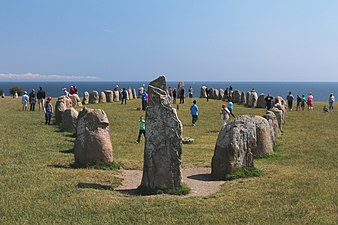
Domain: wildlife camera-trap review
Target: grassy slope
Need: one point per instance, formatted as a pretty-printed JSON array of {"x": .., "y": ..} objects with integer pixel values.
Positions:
[{"x": 299, "y": 184}]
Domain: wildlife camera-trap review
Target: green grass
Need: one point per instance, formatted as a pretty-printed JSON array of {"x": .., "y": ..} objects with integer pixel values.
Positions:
[
  {"x": 244, "y": 173},
  {"x": 37, "y": 185},
  {"x": 100, "y": 166},
  {"x": 182, "y": 190}
]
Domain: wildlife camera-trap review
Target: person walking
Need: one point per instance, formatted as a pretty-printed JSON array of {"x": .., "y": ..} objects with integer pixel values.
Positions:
[
  {"x": 194, "y": 112},
  {"x": 48, "y": 109},
  {"x": 268, "y": 101},
  {"x": 182, "y": 95},
  {"x": 310, "y": 101},
  {"x": 230, "y": 106},
  {"x": 225, "y": 114},
  {"x": 124, "y": 96},
  {"x": 299, "y": 101},
  {"x": 302, "y": 104},
  {"x": 190, "y": 92},
  {"x": 32, "y": 100},
  {"x": 142, "y": 130},
  {"x": 331, "y": 101},
  {"x": 41, "y": 95},
  {"x": 144, "y": 100},
  {"x": 174, "y": 96},
  {"x": 25, "y": 100},
  {"x": 290, "y": 98}
]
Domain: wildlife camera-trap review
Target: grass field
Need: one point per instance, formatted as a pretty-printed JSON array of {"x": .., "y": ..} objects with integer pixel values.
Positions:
[{"x": 37, "y": 186}]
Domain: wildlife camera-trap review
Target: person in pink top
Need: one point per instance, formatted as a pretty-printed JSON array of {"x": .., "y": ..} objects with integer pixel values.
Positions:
[{"x": 310, "y": 101}]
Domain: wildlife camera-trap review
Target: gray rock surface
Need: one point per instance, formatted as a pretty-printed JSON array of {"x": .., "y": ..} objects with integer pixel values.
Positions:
[
  {"x": 76, "y": 101},
  {"x": 253, "y": 97},
  {"x": 273, "y": 123},
  {"x": 130, "y": 94},
  {"x": 279, "y": 115},
  {"x": 116, "y": 96},
  {"x": 221, "y": 94},
  {"x": 69, "y": 120},
  {"x": 234, "y": 147},
  {"x": 264, "y": 140},
  {"x": 103, "y": 98},
  {"x": 85, "y": 100},
  {"x": 261, "y": 101},
  {"x": 163, "y": 141},
  {"x": 236, "y": 96},
  {"x": 94, "y": 97},
  {"x": 216, "y": 94},
  {"x": 60, "y": 107},
  {"x": 247, "y": 98},
  {"x": 93, "y": 143},
  {"x": 134, "y": 94},
  {"x": 203, "y": 92},
  {"x": 243, "y": 98}
]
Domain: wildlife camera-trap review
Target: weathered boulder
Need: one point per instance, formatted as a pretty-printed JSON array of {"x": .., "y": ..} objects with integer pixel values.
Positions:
[
  {"x": 60, "y": 107},
  {"x": 134, "y": 94},
  {"x": 94, "y": 97},
  {"x": 264, "y": 139},
  {"x": 116, "y": 96},
  {"x": 243, "y": 98},
  {"x": 230, "y": 94},
  {"x": 253, "y": 97},
  {"x": 221, "y": 94},
  {"x": 261, "y": 101},
  {"x": 85, "y": 100},
  {"x": 279, "y": 100},
  {"x": 279, "y": 116},
  {"x": 109, "y": 95},
  {"x": 234, "y": 147},
  {"x": 69, "y": 120},
  {"x": 180, "y": 86},
  {"x": 211, "y": 93},
  {"x": 93, "y": 143},
  {"x": 76, "y": 101},
  {"x": 216, "y": 94},
  {"x": 130, "y": 94},
  {"x": 203, "y": 92},
  {"x": 163, "y": 142},
  {"x": 273, "y": 123},
  {"x": 103, "y": 98},
  {"x": 236, "y": 97},
  {"x": 247, "y": 97}
]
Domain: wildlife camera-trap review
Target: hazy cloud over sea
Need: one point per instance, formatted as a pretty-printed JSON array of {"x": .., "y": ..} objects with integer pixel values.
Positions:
[{"x": 46, "y": 77}]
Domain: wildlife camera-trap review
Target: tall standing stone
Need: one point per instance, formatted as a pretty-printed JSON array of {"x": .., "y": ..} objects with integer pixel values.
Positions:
[
  {"x": 134, "y": 94},
  {"x": 76, "y": 101},
  {"x": 247, "y": 97},
  {"x": 69, "y": 120},
  {"x": 103, "y": 98},
  {"x": 163, "y": 142},
  {"x": 236, "y": 97},
  {"x": 273, "y": 122},
  {"x": 261, "y": 101},
  {"x": 253, "y": 97},
  {"x": 264, "y": 141},
  {"x": 130, "y": 93},
  {"x": 85, "y": 100},
  {"x": 109, "y": 95},
  {"x": 221, "y": 94},
  {"x": 216, "y": 93},
  {"x": 60, "y": 107},
  {"x": 243, "y": 99},
  {"x": 94, "y": 97},
  {"x": 93, "y": 143},
  {"x": 203, "y": 92},
  {"x": 116, "y": 96}
]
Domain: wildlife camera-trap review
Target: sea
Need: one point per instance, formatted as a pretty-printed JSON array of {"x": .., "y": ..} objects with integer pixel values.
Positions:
[{"x": 320, "y": 90}]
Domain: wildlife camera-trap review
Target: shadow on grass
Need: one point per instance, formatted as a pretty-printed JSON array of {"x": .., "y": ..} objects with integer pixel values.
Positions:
[
  {"x": 94, "y": 186},
  {"x": 202, "y": 177},
  {"x": 69, "y": 151},
  {"x": 60, "y": 166},
  {"x": 130, "y": 192}
]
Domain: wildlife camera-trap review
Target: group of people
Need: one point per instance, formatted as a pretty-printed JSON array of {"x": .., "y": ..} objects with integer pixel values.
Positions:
[
  {"x": 72, "y": 90},
  {"x": 301, "y": 101},
  {"x": 173, "y": 94}
]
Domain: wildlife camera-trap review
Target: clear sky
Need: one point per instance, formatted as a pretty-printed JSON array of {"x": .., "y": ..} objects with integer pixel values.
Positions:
[{"x": 235, "y": 40}]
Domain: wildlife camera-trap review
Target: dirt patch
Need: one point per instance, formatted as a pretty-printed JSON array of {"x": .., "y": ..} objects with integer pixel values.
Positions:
[{"x": 198, "y": 179}]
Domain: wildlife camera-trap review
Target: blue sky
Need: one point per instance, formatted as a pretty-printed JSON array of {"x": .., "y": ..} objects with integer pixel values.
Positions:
[{"x": 129, "y": 40}]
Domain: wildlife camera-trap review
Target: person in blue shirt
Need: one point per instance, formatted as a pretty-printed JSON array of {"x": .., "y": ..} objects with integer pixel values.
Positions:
[
  {"x": 230, "y": 106},
  {"x": 144, "y": 100},
  {"x": 194, "y": 112}
]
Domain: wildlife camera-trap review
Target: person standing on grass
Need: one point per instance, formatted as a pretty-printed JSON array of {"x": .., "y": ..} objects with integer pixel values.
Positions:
[
  {"x": 190, "y": 92},
  {"x": 290, "y": 98},
  {"x": 48, "y": 109},
  {"x": 25, "y": 100},
  {"x": 142, "y": 130},
  {"x": 268, "y": 101},
  {"x": 124, "y": 96},
  {"x": 144, "y": 100},
  {"x": 299, "y": 100},
  {"x": 182, "y": 95},
  {"x": 41, "y": 95},
  {"x": 310, "y": 101},
  {"x": 174, "y": 96},
  {"x": 194, "y": 112},
  {"x": 225, "y": 114},
  {"x": 32, "y": 100},
  {"x": 302, "y": 104},
  {"x": 331, "y": 101},
  {"x": 230, "y": 106}
]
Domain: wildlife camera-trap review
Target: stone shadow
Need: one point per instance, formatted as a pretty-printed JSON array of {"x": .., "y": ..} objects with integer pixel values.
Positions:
[
  {"x": 95, "y": 186},
  {"x": 69, "y": 151},
  {"x": 202, "y": 177},
  {"x": 60, "y": 166}
]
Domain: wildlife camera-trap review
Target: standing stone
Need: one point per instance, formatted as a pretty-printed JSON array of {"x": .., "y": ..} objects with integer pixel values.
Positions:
[
  {"x": 273, "y": 123},
  {"x": 231, "y": 94},
  {"x": 130, "y": 93},
  {"x": 264, "y": 139},
  {"x": 216, "y": 93},
  {"x": 76, "y": 101},
  {"x": 221, "y": 94},
  {"x": 109, "y": 95},
  {"x": 94, "y": 97},
  {"x": 103, "y": 98},
  {"x": 243, "y": 99},
  {"x": 211, "y": 93},
  {"x": 163, "y": 142},
  {"x": 203, "y": 92},
  {"x": 179, "y": 87},
  {"x": 261, "y": 101},
  {"x": 236, "y": 97},
  {"x": 93, "y": 143},
  {"x": 134, "y": 94},
  {"x": 234, "y": 147},
  {"x": 247, "y": 97},
  {"x": 69, "y": 120},
  {"x": 60, "y": 107},
  {"x": 85, "y": 100},
  {"x": 279, "y": 116},
  {"x": 253, "y": 97},
  {"x": 116, "y": 96}
]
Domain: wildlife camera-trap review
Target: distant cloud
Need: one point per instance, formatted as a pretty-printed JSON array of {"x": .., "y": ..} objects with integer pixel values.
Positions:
[
  {"x": 35, "y": 76},
  {"x": 107, "y": 30}
]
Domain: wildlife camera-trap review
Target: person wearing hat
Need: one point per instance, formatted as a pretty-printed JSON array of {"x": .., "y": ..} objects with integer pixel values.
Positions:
[
  {"x": 225, "y": 114},
  {"x": 116, "y": 88},
  {"x": 65, "y": 92},
  {"x": 48, "y": 109},
  {"x": 25, "y": 100}
]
